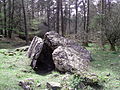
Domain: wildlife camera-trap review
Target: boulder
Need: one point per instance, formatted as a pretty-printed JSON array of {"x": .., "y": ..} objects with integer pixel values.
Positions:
[
  {"x": 58, "y": 52},
  {"x": 67, "y": 59},
  {"x": 53, "y": 86},
  {"x": 40, "y": 55},
  {"x": 68, "y": 55},
  {"x": 34, "y": 50}
]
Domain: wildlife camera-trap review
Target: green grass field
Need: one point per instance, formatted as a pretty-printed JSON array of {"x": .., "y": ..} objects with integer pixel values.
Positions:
[{"x": 14, "y": 68}]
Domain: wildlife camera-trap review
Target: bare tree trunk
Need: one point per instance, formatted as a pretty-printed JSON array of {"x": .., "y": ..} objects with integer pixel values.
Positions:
[
  {"x": 58, "y": 13},
  {"x": 48, "y": 13},
  {"x": 65, "y": 18},
  {"x": 20, "y": 19},
  {"x": 1, "y": 25},
  {"x": 102, "y": 25},
  {"x": 25, "y": 22},
  {"x": 112, "y": 45},
  {"x": 84, "y": 25},
  {"x": 12, "y": 17},
  {"x": 54, "y": 20},
  {"x": 32, "y": 6},
  {"x": 62, "y": 21},
  {"x": 9, "y": 20},
  {"x": 84, "y": 16},
  {"x": 5, "y": 19},
  {"x": 87, "y": 26},
  {"x": 109, "y": 7},
  {"x": 76, "y": 21},
  {"x": 69, "y": 16}
]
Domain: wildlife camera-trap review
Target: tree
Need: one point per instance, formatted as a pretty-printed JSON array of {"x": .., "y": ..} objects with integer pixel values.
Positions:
[
  {"x": 76, "y": 20},
  {"x": 113, "y": 25},
  {"x": 62, "y": 21},
  {"x": 25, "y": 22},
  {"x": 58, "y": 13},
  {"x": 87, "y": 23},
  {"x": 48, "y": 13},
  {"x": 1, "y": 21},
  {"x": 9, "y": 20},
  {"x": 32, "y": 6},
  {"x": 5, "y": 19}
]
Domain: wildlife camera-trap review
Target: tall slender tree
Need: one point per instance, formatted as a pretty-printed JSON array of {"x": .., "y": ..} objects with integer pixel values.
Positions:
[
  {"x": 48, "y": 13},
  {"x": 69, "y": 15},
  {"x": 25, "y": 22},
  {"x": 9, "y": 20},
  {"x": 87, "y": 24},
  {"x": 76, "y": 20},
  {"x": 58, "y": 15},
  {"x": 1, "y": 22},
  {"x": 62, "y": 21},
  {"x": 5, "y": 18},
  {"x": 32, "y": 7},
  {"x": 102, "y": 24},
  {"x": 12, "y": 16}
]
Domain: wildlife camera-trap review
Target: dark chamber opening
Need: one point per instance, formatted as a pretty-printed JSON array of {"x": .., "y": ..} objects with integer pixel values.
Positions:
[{"x": 45, "y": 62}]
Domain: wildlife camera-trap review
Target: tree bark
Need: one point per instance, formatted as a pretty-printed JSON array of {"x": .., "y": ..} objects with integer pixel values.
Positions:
[
  {"x": 84, "y": 16},
  {"x": 62, "y": 21},
  {"x": 9, "y": 20},
  {"x": 87, "y": 26},
  {"x": 12, "y": 17},
  {"x": 5, "y": 19},
  {"x": 25, "y": 22},
  {"x": 102, "y": 25},
  {"x": 58, "y": 13},
  {"x": 32, "y": 6},
  {"x": 76, "y": 21},
  {"x": 112, "y": 47},
  {"x": 1, "y": 22},
  {"x": 69, "y": 16},
  {"x": 109, "y": 7},
  {"x": 48, "y": 13}
]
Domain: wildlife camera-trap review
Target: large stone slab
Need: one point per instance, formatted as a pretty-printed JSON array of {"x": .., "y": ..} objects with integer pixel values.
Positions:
[
  {"x": 67, "y": 59},
  {"x": 58, "y": 52}
]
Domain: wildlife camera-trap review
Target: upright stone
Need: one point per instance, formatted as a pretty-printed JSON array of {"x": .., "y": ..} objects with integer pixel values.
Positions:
[{"x": 34, "y": 50}]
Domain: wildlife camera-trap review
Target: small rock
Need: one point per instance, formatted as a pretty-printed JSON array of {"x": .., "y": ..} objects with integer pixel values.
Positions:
[
  {"x": 25, "y": 48},
  {"x": 108, "y": 74},
  {"x": 38, "y": 85},
  {"x": 65, "y": 77},
  {"x": 21, "y": 83},
  {"x": 1, "y": 36},
  {"x": 53, "y": 86},
  {"x": 111, "y": 64},
  {"x": 25, "y": 84},
  {"x": 99, "y": 65},
  {"x": 55, "y": 75},
  {"x": 71, "y": 88},
  {"x": 10, "y": 53}
]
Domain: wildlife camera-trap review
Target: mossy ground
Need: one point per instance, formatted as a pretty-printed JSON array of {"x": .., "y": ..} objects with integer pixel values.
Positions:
[{"x": 14, "y": 68}]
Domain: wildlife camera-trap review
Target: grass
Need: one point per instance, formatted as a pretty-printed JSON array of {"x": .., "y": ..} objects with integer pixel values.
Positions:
[
  {"x": 14, "y": 68},
  {"x": 12, "y": 71},
  {"x": 106, "y": 63}
]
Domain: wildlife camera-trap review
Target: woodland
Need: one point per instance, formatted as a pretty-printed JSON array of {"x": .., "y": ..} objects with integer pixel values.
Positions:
[{"x": 59, "y": 44}]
